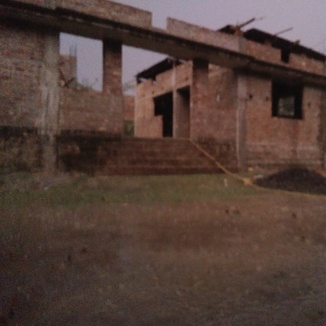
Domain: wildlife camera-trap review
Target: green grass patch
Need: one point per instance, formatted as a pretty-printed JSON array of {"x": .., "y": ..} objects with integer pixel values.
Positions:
[{"x": 121, "y": 189}]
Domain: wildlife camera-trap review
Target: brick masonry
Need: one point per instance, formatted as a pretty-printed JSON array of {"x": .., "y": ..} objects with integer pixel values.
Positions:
[
  {"x": 88, "y": 110},
  {"x": 109, "y": 10},
  {"x": 21, "y": 150},
  {"x": 274, "y": 141},
  {"x": 129, "y": 108},
  {"x": 21, "y": 59},
  {"x": 231, "y": 113},
  {"x": 205, "y": 35},
  {"x": 227, "y": 109}
]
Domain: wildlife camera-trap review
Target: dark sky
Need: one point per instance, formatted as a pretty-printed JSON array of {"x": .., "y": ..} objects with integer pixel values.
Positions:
[{"x": 306, "y": 17}]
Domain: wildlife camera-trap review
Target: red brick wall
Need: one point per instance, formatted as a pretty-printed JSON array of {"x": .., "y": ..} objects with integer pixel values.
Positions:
[
  {"x": 268, "y": 53},
  {"x": 110, "y": 10},
  {"x": 112, "y": 67},
  {"x": 21, "y": 56},
  {"x": 129, "y": 108},
  {"x": 201, "y": 34},
  {"x": 213, "y": 108},
  {"x": 260, "y": 51},
  {"x": 221, "y": 118},
  {"x": 304, "y": 63},
  {"x": 265, "y": 140},
  {"x": 42, "y": 3},
  {"x": 218, "y": 117},
  {"x": 90, "y": 111},
  {"x": 100, "y": 8},
  {"x": 21, "y": 150},
  {"x": 29, "y": 88},
  {"x": 273, "y": 141},
  {"x": 146, "y": 123}
]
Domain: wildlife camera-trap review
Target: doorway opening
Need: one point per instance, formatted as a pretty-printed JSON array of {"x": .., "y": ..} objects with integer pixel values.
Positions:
[
  {"x": 164, "y": 107},
  {"x": 182, "y": 113}
]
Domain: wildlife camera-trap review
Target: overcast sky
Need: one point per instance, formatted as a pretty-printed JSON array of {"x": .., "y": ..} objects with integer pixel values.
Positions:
[{"x": 306, "y": 17}]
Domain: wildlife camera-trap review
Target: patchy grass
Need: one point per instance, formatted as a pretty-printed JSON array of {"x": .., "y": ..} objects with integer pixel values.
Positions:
[
  {"x": 103, "y": 190},
  {"x": 163, "y": 250}
]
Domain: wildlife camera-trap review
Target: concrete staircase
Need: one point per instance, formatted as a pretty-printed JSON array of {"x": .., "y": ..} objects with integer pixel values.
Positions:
[{"x": 133, "y": 156}]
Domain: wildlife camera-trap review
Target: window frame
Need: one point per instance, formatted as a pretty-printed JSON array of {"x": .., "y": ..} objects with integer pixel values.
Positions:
[{"x": 283, "y": 92}]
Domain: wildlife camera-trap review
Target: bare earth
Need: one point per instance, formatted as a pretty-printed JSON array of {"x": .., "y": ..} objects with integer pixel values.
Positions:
[{"x": 187, "y": 250}]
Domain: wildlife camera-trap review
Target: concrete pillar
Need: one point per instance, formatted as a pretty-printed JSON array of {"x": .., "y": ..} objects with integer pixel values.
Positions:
[
  {"x": 241, "y": 126},
  {"x": 112, "y": 83},
  {"x": 199, "y": 98},
  {"x": 49, "y": 82}
]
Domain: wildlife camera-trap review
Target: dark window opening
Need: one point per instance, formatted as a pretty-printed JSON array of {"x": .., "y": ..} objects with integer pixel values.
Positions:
[
  {"x": 164, "y": 108},
  {"x": 285, "y": 56},
  {"x": 182, "y": 113},
  {"x": 287, "y": 101}
]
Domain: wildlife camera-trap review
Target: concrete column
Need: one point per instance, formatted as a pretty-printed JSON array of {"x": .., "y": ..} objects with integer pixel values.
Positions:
[
  {"x": 241, "y": 126},
  {"x": 199, "y": 98},
  {"x": 112, "y": 83},
  {"x": 49, "y": 82}
]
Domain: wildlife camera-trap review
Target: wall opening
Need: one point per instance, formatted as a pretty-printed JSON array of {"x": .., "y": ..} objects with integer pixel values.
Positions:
[
  {"x": 285, "y": 56},
  {"x": 286, "y": 101},
  {"x": 135, "y": 60},
  {"x": 182, "y": 113},
  {"x": 164, "y": 107},
  {"x": 81, "y": 62}
]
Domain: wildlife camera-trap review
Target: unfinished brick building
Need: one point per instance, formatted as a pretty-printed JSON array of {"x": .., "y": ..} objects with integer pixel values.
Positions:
[
  {"x": 260, "y": 119},
  {"x": 248, "y": 99}
]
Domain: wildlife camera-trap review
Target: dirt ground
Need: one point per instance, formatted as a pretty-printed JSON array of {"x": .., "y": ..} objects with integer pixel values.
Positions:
[{"x": 176, "y": 250}]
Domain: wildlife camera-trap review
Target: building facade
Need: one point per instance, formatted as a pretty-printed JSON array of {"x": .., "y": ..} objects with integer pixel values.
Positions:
[
  {"x": 254, "y": 119},
  {"x": 249, "y": 98}
]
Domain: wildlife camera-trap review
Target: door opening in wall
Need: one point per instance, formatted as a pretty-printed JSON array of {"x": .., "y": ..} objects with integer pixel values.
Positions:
[
  {"x": 164, "y": 107},
  {"x": 182, "y": 113}
]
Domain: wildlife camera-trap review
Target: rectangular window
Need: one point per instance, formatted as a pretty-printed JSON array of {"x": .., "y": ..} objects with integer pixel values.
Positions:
[
  {"x": 287, "y": 101},
  {"x": 285, "y": 56}
]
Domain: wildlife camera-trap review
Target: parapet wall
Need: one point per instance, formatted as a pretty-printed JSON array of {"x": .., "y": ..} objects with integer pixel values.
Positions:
[
  {"x": 202, "y": 34},
  {"x": 100, "y": 8}
]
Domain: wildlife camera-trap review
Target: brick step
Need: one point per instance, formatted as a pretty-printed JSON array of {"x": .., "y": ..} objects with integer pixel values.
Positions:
[
  {"x": 132, "y": 156},
  {"x": 154, "y": 159},
  {"x": 151, "y": 155},
  {"x": 148, "y": 145},
  {"x": 131, "y": 150},
  {"x": 158, "y": 170},
  {"x": 140, "y": 163}
]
